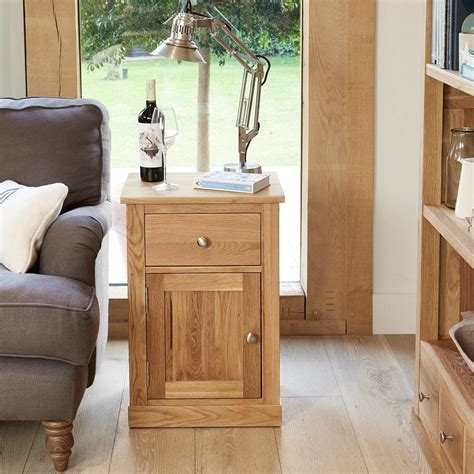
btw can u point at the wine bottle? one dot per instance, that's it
(151, 157)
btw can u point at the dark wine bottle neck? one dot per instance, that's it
(151, 103)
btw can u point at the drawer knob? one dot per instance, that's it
(423, 396)
(251, 338)
(443, 436)
(202, 242)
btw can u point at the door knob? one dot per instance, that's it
(423, 396)
(443, 436)
(202, 242)
(251, 338)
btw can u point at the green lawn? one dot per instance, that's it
(277, 144)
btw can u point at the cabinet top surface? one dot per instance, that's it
(135, 191)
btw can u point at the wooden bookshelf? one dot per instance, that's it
(445, 385)
(453, 371)
(450, 78)
(453, 230)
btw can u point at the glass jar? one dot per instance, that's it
(461, 146)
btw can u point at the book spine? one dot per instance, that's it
(434, 33)
(460, 14)
(443, 34)
(450, 34)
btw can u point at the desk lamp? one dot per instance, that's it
(181, 46)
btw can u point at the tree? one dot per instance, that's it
(269, 27)
(109, 28)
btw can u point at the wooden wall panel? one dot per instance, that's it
(338, 133)
(52, 48)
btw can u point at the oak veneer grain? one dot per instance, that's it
(337, 194)
(52, 48)
(452, 229)
(449, 288)
(451, 424)
(233, 239)
(271, 306)
(195, 320)
(451, 78)
(196, 416)
(455, 374)
(136, 304)
(136, 191)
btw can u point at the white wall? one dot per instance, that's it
(12, 52)
(398, 133)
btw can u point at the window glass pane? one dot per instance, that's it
(116, 39)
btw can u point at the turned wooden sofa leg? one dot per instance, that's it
(59, 442)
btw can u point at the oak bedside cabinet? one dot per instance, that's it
(203, 289)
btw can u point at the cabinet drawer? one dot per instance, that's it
(451, 433)
(202, 239)
(428, 397)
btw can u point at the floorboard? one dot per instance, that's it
(317, 437)
(236, 450)
(16, 440)
(379, 401)
(403, 348)
(305, 368)
(346, 408)
(157, 451)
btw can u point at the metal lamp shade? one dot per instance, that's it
(180, 45)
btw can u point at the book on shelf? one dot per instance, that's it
(234, 182)
(447, 19)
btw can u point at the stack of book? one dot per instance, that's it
(448, 17)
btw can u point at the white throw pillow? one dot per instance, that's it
(25, 215)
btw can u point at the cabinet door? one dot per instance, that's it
(204, 335)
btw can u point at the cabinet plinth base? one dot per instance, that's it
(203, 416)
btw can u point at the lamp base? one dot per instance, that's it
(243, 168)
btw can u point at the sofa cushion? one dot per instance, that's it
(25, 215)
(49, 317)
(50, 140)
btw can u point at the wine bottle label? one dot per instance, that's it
(150, 156)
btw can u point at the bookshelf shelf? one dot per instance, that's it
(453, 230)
(451, 78)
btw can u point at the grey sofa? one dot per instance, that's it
(53, 320)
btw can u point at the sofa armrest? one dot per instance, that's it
(72, 242)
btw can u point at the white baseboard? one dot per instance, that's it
(394, 313)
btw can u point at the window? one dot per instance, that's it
(116, 37)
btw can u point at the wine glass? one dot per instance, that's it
(165, 128)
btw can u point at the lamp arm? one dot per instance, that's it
(252, 81)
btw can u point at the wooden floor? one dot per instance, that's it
(346, 408)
